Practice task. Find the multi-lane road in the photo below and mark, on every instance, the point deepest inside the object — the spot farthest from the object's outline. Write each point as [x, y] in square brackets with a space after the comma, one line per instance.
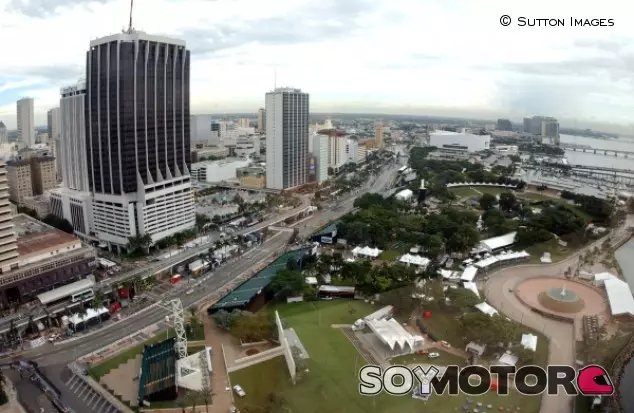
[53, 359]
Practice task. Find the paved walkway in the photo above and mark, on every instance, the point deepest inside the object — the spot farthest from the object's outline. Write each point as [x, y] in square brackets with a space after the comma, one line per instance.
[12, 406]
[499, 293]
[221, 398]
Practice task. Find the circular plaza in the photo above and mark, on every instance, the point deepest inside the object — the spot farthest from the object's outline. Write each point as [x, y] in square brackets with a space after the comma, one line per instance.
[561, 298]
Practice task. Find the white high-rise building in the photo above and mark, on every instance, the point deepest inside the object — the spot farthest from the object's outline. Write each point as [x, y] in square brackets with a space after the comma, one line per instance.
[286, 138]
[73, 201]
[26, 121]
[320, 150]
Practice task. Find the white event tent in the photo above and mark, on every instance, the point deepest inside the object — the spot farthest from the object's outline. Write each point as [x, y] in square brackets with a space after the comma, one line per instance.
[473, 287]
[392, 333]
[502, 257]
[529, 341]
[366, 252]
[469, 273]
[619, 297]
[414, 260]
[486, 308]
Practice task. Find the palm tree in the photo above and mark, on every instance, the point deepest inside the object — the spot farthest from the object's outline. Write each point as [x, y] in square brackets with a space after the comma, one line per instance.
[97, 302]
[181, 403]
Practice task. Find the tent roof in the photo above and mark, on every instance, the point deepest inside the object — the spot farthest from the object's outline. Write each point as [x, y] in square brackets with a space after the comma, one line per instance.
[469, 273]
[414, 259]
[619, 296]
[473, 287]
[529, 341]
[486, 308]
[499, 242]
[393, 334]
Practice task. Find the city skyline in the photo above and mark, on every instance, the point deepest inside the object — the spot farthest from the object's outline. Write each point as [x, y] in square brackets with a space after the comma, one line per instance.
[359, 56]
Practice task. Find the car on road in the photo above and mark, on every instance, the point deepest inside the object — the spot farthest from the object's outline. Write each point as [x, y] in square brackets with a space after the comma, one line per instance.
[53, 337]
[189, 292]
[239, 391]
[433, 355]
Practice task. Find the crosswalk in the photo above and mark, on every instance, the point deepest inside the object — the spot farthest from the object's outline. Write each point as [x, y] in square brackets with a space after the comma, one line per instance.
[92, 399]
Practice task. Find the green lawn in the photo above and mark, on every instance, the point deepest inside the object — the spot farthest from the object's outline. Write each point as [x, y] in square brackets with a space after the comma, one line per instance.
[445, 359]
[389, 255]
[557, 252]
[463, 191]
[331, 383]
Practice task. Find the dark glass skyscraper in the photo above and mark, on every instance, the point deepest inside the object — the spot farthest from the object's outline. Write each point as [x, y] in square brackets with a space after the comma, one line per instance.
[137, 120]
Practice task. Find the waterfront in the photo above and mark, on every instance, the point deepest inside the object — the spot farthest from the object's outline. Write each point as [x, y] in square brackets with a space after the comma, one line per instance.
[625, 258]
[625, 254]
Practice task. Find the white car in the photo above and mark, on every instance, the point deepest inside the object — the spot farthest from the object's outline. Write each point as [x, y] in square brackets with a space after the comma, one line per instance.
[239, 390]
[189, 292]
[433, 355]
[53, 337]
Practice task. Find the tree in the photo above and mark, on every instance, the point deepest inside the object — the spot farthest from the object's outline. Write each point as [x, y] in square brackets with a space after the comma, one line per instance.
[508, 202]
[287, 283]
[59, 223]
[192, 398]
[487, 201]
[524, 356]
[249, 327]
[201, 221]
[462, 298]
[225, 319]
[140, 243]
[31, 327]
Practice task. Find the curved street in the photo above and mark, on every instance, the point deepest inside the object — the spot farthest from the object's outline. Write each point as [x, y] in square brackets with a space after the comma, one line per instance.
[498, 289]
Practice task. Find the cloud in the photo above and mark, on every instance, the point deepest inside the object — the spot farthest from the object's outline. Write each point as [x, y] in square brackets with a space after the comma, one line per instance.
[43, 8]
[305, 25]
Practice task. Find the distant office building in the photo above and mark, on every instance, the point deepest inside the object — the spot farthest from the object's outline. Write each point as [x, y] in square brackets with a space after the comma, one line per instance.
[286, 138]
[378, 135]
[527, 125]
[244, 123]
[504, 125]
[18, 173]
[4, 135]
[320, 150]
[139, 137]
[336, 150]
[52, 121]
[543, 127]
[26, 121]
[459, 142]
[261, 120]
[200, 126]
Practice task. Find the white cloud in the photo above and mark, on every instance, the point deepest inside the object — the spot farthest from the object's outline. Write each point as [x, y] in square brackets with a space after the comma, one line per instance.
[412, 56]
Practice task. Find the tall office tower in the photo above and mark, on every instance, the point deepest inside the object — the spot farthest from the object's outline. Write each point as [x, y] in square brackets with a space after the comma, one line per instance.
[504, 125]
[4, 136]
[286, 138]
[261, 120]
[26, 121]
[378, 135]
[200, 126]
[320, 150]
[138, 134]
[9, 256]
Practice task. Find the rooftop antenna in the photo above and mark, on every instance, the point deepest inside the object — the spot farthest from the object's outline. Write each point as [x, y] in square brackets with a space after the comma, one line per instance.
[131, 7]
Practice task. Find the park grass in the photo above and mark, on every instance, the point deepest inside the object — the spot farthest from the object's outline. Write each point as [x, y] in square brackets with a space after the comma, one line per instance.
[557, 252]
[331, 382]
[389, 255]
[463, 191]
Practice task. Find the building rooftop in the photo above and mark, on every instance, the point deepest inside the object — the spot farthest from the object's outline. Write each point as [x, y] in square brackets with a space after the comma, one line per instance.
[35, 236]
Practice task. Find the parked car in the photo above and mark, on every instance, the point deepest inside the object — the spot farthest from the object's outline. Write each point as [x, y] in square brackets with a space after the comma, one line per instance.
[53, 337]
[433, 355]
[239, 391]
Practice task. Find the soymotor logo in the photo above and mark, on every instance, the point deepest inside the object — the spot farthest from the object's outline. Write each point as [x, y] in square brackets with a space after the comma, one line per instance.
[591, 380]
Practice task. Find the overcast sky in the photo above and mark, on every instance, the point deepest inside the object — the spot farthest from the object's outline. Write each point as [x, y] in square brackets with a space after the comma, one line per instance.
[427, 57]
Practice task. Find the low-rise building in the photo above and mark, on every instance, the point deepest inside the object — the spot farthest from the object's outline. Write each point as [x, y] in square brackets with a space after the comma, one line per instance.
[204, 152]
[47, 258]
[39, 204]
[252, 177]
[217, 171]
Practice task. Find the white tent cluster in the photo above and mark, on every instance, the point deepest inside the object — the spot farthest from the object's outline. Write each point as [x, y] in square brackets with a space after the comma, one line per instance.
[392, 333]
[417, 260]
[90, 314]
[495, 243]
[488, 184]
[502, 257]
[366, 252]
[619, 293]
[486, 308]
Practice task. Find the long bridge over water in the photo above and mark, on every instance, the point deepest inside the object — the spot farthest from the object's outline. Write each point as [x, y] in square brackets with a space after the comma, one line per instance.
[598, 151]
